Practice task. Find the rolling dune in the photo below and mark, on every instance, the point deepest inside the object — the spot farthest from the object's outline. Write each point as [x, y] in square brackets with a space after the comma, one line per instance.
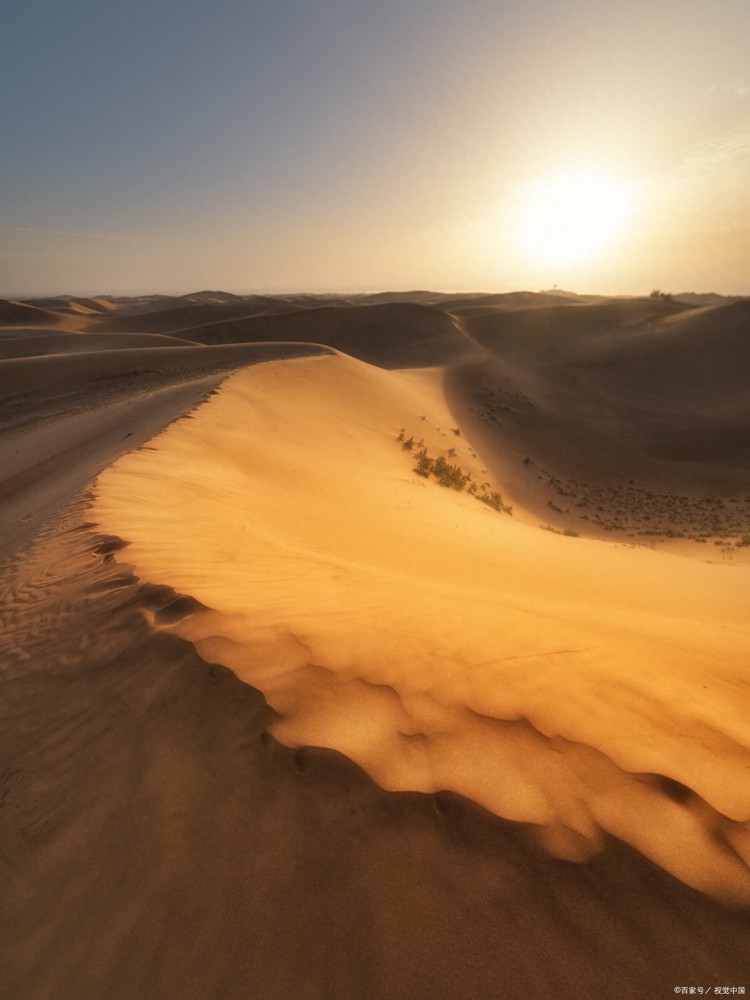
[284, 717]
[188, 312]
[437, 643]
[14, 313]
[156, 841]
[625, 424]
[27, 343]
[394, 335]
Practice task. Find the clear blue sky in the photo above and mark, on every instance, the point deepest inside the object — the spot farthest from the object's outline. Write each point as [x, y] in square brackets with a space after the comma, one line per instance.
[327, 145]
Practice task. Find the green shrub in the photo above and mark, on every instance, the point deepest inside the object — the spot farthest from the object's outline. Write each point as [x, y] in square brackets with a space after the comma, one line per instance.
[492, 499]
[449, 475]
[569, 532]
[424, 464]
[452, 476]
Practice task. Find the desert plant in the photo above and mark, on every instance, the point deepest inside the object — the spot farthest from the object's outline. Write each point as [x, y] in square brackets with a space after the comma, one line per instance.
[492, 499]
[449, 475]
[452, 476]
[424, 464]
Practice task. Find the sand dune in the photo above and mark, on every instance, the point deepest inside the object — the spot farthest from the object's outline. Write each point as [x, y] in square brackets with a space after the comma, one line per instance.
[545, 333]
[483, 305]
[71, 304]
[208, 295]
[190, 313]
[155, 841]
[25, 342]
[392, 336]
[24, 314]
[629, 425]
[447, 647]
[65, 417]
[453, 754]
[79, 368]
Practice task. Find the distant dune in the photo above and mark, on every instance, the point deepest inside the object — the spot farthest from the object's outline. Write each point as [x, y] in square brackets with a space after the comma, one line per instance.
[399, 335]
[24, 314]
[194, 312]
[26, 342]
[365, 646]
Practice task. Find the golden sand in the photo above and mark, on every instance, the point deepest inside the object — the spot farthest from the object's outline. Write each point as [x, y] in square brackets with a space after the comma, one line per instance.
[570, 684]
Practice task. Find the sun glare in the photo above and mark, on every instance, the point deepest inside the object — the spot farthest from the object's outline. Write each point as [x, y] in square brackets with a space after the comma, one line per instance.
[568, 218]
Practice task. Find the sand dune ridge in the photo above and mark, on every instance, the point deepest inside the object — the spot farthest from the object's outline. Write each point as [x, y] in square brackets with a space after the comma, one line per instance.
[558, 682]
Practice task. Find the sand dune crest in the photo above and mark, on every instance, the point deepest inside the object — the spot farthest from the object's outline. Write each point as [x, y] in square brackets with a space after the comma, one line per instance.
[566, 684]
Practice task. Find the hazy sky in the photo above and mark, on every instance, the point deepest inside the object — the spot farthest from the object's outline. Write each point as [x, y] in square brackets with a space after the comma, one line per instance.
[341, 144]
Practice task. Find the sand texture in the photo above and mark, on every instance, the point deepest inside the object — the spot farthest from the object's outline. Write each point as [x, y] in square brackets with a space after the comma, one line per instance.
[300, 698]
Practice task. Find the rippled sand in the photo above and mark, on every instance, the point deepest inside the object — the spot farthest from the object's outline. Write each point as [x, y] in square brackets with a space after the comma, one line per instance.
[453, 755]
[573, 685]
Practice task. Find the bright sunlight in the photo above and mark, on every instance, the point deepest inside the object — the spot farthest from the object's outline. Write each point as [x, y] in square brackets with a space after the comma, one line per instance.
[569, 217]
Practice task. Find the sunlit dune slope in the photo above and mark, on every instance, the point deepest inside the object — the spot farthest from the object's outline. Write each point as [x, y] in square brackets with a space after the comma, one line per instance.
[66, 416]
[68, 304]
[565, 684]
[14, 313]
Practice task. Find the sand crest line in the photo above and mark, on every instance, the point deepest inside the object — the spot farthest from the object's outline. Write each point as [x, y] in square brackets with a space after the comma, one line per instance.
[292, 471]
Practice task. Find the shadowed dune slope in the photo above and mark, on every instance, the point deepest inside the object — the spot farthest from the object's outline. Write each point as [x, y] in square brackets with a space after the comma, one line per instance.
[22, 342]
[52, 372]
[189, 312]
[544, 334]
[484, 305]
[23, 314]
[575, 687]
[212, 295]
[654, 403]
[400, 335]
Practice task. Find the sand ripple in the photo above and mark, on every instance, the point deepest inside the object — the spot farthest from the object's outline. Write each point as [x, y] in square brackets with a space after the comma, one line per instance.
[571, 685]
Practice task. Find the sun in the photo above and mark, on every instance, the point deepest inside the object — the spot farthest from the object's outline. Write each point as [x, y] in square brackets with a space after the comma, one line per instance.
[571, 216]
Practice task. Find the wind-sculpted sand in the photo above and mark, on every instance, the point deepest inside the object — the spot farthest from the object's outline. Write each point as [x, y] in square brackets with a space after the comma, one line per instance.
[448, 754]
[570, 685]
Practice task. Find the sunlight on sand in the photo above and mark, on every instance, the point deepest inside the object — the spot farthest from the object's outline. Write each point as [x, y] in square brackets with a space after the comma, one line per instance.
[558, 682]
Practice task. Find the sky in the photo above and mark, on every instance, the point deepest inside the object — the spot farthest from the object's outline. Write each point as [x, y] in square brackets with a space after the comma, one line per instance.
[340, 145]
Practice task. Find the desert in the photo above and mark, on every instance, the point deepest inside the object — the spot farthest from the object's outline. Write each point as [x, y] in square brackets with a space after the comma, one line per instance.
[384, 645]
